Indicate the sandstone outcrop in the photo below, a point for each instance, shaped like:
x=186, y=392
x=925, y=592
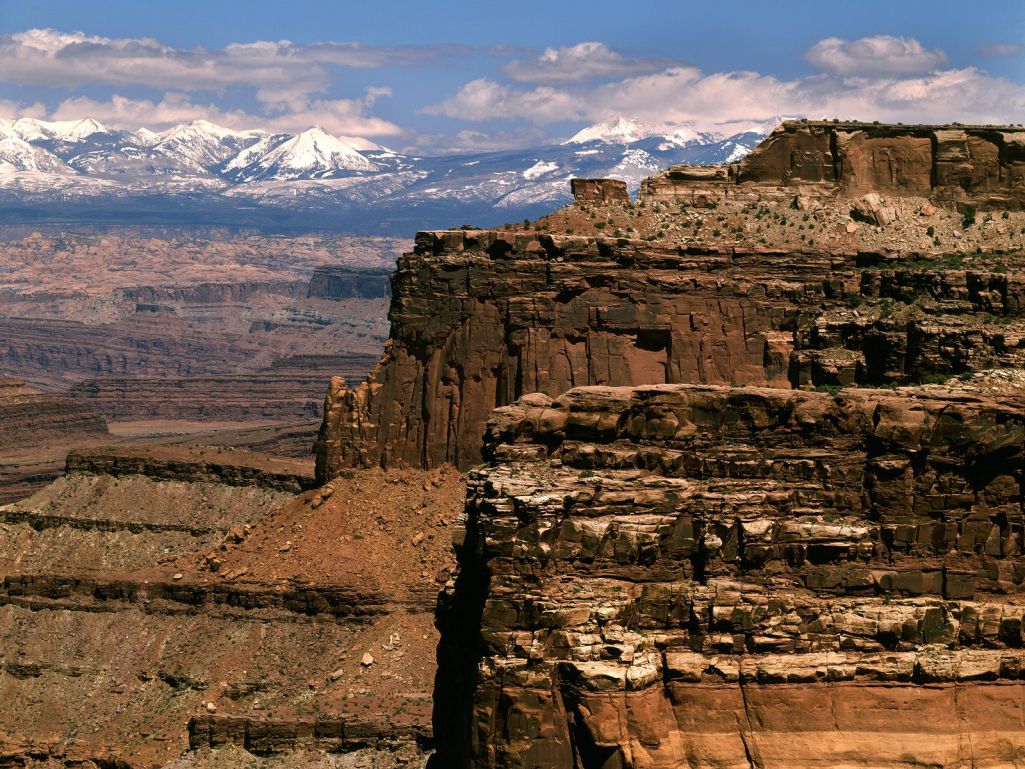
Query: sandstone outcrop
x=337, y=282
x=603, y=191
x=480, y=318
x=753, y=273
x=36, y=429
x=743, y=502
x=266, y=396
x=984, y=165
x=679, y=575
x=222, y=465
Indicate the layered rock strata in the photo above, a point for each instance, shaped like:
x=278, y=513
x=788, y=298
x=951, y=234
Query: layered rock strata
x=267, y=396
x=221, y=465
x=679, y=575
x=339, y=282
x=480, y=318
x=36, y=428
x=157, y=599
x=29, y=417
x=601, y=191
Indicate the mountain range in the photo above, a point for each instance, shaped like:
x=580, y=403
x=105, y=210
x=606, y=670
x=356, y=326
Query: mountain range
x=202, y=173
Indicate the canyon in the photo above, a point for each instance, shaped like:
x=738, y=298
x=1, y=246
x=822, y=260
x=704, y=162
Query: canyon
x=726, y=474
x=167, y=332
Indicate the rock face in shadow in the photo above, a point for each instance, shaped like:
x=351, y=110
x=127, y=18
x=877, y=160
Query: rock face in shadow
x=338, y=282
x=481, y=318
x=685, y=575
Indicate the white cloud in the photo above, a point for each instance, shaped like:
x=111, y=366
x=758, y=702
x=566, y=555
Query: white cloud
x=875, y=55
x=575, y=63
x=337, y=116
x=686, y=95
x=12, y=110
x=485, y=99
x=282, y=73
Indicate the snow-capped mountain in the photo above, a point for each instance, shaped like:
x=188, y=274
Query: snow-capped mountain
x=199, y=172
x=313, y=154
x=619, y=130
x=16, y=154
x=32, y=130
x=204, y=143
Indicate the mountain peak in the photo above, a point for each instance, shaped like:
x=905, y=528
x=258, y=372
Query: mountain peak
x=314, y=153
x=208, y=129
x=31, y=129
x=619, y=130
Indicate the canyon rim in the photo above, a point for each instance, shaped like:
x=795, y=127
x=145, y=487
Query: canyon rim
x=470, y=386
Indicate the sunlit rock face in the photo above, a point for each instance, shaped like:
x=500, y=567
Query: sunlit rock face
x=805, y=263
x=682, y=575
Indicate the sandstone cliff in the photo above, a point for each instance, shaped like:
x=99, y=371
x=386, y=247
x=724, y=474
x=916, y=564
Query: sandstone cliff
x=480, y=318
x=984, y=165
x=728, y=514
x=29, y=416
x=788, y=269
x=36, y=430
x=670, y=576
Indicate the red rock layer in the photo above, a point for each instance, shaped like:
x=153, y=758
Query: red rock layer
x=680, y=575
x=29, y=417
x=980, y=164
x=481, y=318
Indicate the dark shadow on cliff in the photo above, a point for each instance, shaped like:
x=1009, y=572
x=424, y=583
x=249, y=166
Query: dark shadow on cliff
x=460, y=650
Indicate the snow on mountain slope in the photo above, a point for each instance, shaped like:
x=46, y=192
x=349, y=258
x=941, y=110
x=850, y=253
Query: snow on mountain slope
x=147, y=138
x=16, y=154
x=322, y=180
x=205, y=143
x=627, y=131
x=360, y=144
x=30, y=129
x=313, y=154
x=616, y=131
x=235, y=167
x=540, y=168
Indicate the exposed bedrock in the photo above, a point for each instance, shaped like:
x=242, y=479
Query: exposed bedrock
x=261, y=396
x=160, y=598
x=681, y=575
x=212, y=293
x=480, y=318
x=984, y=165
x=29, y=417
x=36, y=429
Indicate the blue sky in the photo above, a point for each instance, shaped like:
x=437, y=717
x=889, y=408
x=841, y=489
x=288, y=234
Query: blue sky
x=437, y=76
